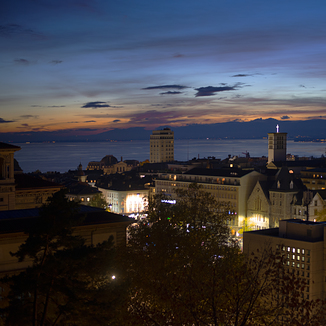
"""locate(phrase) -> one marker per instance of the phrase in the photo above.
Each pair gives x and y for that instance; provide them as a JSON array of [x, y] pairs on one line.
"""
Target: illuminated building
[[126, 202], [226, 185], [303, 244], [110, 165], [272, 201], [161, 146]]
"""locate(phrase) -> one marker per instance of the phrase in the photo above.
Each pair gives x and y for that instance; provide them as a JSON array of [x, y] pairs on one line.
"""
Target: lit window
[[293, 250], [302, 251], [298, 251], [88, 199], [298, 265], [293, 257], [298, 257], [289, 249], [302, 258], [302, 266]]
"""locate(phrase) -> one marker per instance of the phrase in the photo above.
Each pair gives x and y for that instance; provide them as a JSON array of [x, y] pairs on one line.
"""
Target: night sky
[[90, 66]]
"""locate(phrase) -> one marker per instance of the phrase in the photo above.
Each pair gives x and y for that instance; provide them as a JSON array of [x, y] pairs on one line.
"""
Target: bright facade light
[[135, 203]]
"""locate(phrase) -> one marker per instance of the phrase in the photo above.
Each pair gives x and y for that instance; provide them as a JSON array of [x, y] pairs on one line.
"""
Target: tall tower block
[[277, 146], [161, 146]]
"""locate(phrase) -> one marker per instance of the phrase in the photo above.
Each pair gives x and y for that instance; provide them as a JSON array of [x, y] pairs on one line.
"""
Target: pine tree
[[68, 282]]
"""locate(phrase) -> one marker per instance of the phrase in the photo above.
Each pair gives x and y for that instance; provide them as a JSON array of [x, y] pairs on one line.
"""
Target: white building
[[162, 146], [229, 185], [127, 201]]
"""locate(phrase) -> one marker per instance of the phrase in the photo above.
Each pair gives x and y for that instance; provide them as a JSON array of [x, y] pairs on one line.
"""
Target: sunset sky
[[93, 65]]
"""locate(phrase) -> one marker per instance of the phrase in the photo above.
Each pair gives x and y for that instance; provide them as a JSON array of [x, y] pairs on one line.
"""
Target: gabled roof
[[265, 186], [286, 181], [322, 193]]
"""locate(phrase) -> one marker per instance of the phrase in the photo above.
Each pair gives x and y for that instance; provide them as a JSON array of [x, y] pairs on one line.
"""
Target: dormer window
[[291, 184], [278, 184]]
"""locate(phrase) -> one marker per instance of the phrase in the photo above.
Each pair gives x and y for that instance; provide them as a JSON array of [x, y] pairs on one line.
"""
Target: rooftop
[[21, 220]]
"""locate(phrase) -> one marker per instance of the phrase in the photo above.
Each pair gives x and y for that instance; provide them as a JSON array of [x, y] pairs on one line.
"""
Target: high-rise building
[[302, 244], [162, 146], [277, 146]]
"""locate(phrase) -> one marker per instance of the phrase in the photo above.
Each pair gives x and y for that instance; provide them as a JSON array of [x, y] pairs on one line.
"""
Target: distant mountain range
[[297, 130]]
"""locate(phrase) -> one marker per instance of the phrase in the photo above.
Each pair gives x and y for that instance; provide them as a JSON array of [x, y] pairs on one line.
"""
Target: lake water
[[62, 157]]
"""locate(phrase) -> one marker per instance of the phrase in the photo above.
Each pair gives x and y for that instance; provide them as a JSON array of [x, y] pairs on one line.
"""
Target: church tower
[[7, 179], [277, 146]]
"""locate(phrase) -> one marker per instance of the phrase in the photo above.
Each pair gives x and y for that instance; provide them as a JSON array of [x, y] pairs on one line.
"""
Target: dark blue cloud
[[171, 93], [285, 117], [55, 62], [241, 75], [22, 61], [211, 90], [96, 105], [15, 29], [5, 121], [166, 87], [27, 116]]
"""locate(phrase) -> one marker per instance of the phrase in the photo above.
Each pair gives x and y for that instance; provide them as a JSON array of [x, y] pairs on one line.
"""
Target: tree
[[69, 282], [185, 268], [98, 201]]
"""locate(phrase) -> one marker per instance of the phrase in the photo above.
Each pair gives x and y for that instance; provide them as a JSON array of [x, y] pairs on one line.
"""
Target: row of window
[[298, 265], [295, 250], [303, 273], [299, 258]]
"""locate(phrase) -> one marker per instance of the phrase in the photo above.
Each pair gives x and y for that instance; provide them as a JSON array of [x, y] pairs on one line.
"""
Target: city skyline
[[92, 66]]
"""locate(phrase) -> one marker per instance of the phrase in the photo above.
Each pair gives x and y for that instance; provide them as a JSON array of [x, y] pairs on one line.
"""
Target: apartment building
[[303, 244], [161, 146], [230, 185]]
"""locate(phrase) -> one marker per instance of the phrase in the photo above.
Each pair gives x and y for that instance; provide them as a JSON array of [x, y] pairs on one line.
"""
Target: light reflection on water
[[64, 156]]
